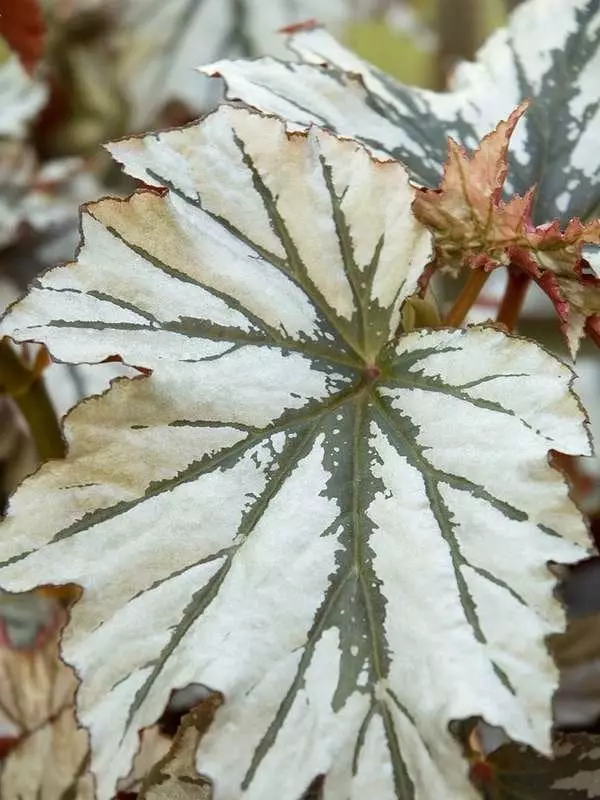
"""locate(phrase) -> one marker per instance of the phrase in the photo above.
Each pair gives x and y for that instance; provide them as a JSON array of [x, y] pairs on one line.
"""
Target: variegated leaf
[[17, 171], [165, 41], [549, 53], [24, 187], [338, 529]]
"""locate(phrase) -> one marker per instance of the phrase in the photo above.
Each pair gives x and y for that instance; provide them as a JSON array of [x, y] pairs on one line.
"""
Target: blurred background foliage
[[414, 39]]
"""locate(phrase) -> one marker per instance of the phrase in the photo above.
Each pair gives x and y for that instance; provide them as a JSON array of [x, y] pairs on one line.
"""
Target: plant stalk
[[514, 298], [592, 329], [27, 389], [458, 23], [468, 295]]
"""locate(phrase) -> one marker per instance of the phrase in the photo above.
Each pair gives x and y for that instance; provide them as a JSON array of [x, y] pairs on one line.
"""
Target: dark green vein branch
[[295, 262], [403, 784], [319, 625], [347, 250], [446, 526], [204, 596], [196, 469], [184, 277], [271, 258]]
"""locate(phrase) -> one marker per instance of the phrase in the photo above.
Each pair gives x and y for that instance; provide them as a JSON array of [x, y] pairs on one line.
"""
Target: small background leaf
[[48, 754], [22, 25], [175, 777], [515, 772]]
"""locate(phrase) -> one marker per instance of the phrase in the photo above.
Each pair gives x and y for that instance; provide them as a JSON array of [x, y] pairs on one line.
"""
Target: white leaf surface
[[338, 528]]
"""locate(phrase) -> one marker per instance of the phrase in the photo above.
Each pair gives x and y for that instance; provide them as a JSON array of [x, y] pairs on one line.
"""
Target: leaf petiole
[[26, 386], [467, 297], [514, 298]]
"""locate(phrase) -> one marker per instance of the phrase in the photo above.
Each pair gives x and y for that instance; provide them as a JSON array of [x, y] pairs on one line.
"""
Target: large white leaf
[[549, 52], [343, 531]]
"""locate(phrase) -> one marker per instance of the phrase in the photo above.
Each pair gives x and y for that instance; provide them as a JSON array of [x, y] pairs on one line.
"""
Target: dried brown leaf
[[175, 776], [49, 763], [45, 753]]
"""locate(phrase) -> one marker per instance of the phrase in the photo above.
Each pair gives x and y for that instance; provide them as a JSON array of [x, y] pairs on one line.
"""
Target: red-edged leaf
[[471, 222], [22, 25], [475, 227]]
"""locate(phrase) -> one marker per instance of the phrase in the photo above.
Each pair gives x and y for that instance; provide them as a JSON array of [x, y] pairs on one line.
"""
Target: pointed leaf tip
[[472, 223]]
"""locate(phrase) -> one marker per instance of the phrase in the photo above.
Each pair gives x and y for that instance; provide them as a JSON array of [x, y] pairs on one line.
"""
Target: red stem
[[514, 297], [592, 328], [469, 294], [27, 389]]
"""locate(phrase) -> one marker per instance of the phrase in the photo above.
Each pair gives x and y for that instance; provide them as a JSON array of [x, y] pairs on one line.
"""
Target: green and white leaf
[[549, 52], [345, 554], [167, 40]]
